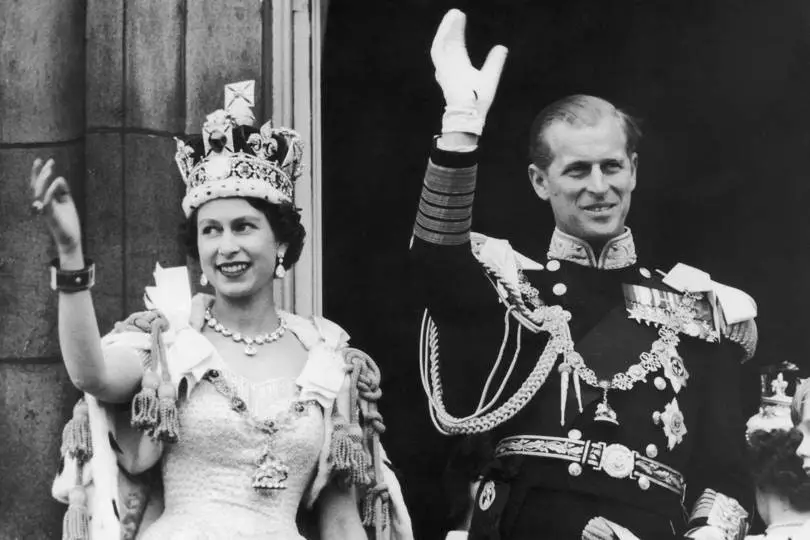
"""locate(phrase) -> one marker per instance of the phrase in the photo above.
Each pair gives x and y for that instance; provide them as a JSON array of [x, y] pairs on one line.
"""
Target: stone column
[[41, 115]]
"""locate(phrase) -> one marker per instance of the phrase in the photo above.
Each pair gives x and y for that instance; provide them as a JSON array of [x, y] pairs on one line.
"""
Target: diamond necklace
[[250, 342]]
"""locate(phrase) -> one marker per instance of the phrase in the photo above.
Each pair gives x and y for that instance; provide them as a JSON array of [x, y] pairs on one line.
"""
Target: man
[[604, 399]]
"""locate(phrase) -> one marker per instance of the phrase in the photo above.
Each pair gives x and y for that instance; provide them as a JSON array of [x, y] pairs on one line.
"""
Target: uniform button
[[559, 289], [644, 483], [574, 469], [660, 383], [553, 265], [651, 451], [656, 417], [644, 272], [575, 434]]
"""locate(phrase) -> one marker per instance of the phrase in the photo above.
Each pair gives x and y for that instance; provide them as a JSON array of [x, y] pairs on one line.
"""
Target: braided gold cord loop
[[365, 379]]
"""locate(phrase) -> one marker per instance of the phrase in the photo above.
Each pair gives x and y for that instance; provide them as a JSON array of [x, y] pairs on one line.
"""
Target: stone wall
[[102, 86]]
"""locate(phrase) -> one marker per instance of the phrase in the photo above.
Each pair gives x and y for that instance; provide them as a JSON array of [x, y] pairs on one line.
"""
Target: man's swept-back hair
[[577, 110]]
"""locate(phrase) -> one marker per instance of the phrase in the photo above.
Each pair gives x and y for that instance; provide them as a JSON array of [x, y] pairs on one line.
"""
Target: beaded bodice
[[207, 474]]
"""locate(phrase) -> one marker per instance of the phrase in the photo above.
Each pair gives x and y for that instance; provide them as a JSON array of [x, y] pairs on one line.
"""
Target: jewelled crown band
[[231, 158]]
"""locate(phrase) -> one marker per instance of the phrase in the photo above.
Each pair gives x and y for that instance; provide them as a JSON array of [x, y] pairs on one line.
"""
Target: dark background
[[722, 88]]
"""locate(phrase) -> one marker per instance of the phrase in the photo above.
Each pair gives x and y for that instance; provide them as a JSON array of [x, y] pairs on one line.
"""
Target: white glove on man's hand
[[468, 92]]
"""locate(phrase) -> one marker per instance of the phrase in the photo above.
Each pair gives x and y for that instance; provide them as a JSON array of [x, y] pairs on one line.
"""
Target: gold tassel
[[76, 523], [168, 424], [77, 441], [145, 402], [371, 514], [341, 446], [348, 455], [368, 508], [360, 460]]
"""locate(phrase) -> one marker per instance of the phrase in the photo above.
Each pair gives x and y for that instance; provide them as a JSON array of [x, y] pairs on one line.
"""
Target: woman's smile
[[233, 269]]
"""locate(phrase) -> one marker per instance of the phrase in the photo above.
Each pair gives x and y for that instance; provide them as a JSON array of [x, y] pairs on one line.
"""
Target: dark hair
[[577, 110], [284, 219], [777, 469], [801, 397]]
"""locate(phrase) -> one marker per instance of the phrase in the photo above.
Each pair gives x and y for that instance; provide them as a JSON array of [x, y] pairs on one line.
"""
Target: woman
[[248, 410], [780, 477], [782, 487]]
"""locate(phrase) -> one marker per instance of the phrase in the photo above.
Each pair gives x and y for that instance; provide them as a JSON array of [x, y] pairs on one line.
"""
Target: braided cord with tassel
[[351, 462], [168, 424], [77, 443], [154, 407], [375, 504]]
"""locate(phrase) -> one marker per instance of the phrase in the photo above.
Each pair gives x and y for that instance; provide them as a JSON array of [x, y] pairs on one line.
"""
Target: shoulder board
[[478, 242]]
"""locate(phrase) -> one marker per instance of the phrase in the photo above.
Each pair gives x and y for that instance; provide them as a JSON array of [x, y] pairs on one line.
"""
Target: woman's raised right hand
[[52, 200]]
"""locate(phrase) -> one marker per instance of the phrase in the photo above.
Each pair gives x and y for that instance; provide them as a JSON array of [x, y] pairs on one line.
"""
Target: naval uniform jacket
[[546, 475]]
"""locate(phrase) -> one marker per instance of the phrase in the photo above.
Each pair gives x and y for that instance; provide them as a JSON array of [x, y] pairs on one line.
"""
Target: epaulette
[[504, 266]]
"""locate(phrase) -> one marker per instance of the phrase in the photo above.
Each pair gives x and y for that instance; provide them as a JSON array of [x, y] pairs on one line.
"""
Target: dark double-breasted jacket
[[597, 387]]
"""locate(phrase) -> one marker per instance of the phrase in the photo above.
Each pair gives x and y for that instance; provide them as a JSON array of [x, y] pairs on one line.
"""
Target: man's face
[[589, 182]]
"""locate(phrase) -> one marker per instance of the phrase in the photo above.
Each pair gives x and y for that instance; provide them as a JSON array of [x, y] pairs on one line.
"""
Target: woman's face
[[237, 247], [804, 427]]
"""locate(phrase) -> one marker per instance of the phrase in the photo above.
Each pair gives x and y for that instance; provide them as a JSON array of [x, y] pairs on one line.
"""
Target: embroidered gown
[[233, 433], [207, 474]]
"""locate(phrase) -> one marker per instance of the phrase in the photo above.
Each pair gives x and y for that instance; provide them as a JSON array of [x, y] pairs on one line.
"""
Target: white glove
[[468, 92]]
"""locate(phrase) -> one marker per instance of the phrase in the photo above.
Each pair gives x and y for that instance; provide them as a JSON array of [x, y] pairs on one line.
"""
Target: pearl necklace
[[250, 342]]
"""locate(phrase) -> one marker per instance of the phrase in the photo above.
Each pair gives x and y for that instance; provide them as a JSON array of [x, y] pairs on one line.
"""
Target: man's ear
[[634, 170], [539, 180]]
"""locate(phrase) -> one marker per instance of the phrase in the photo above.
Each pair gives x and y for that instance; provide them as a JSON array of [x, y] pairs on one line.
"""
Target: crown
[[774, 411], [231, 158]]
